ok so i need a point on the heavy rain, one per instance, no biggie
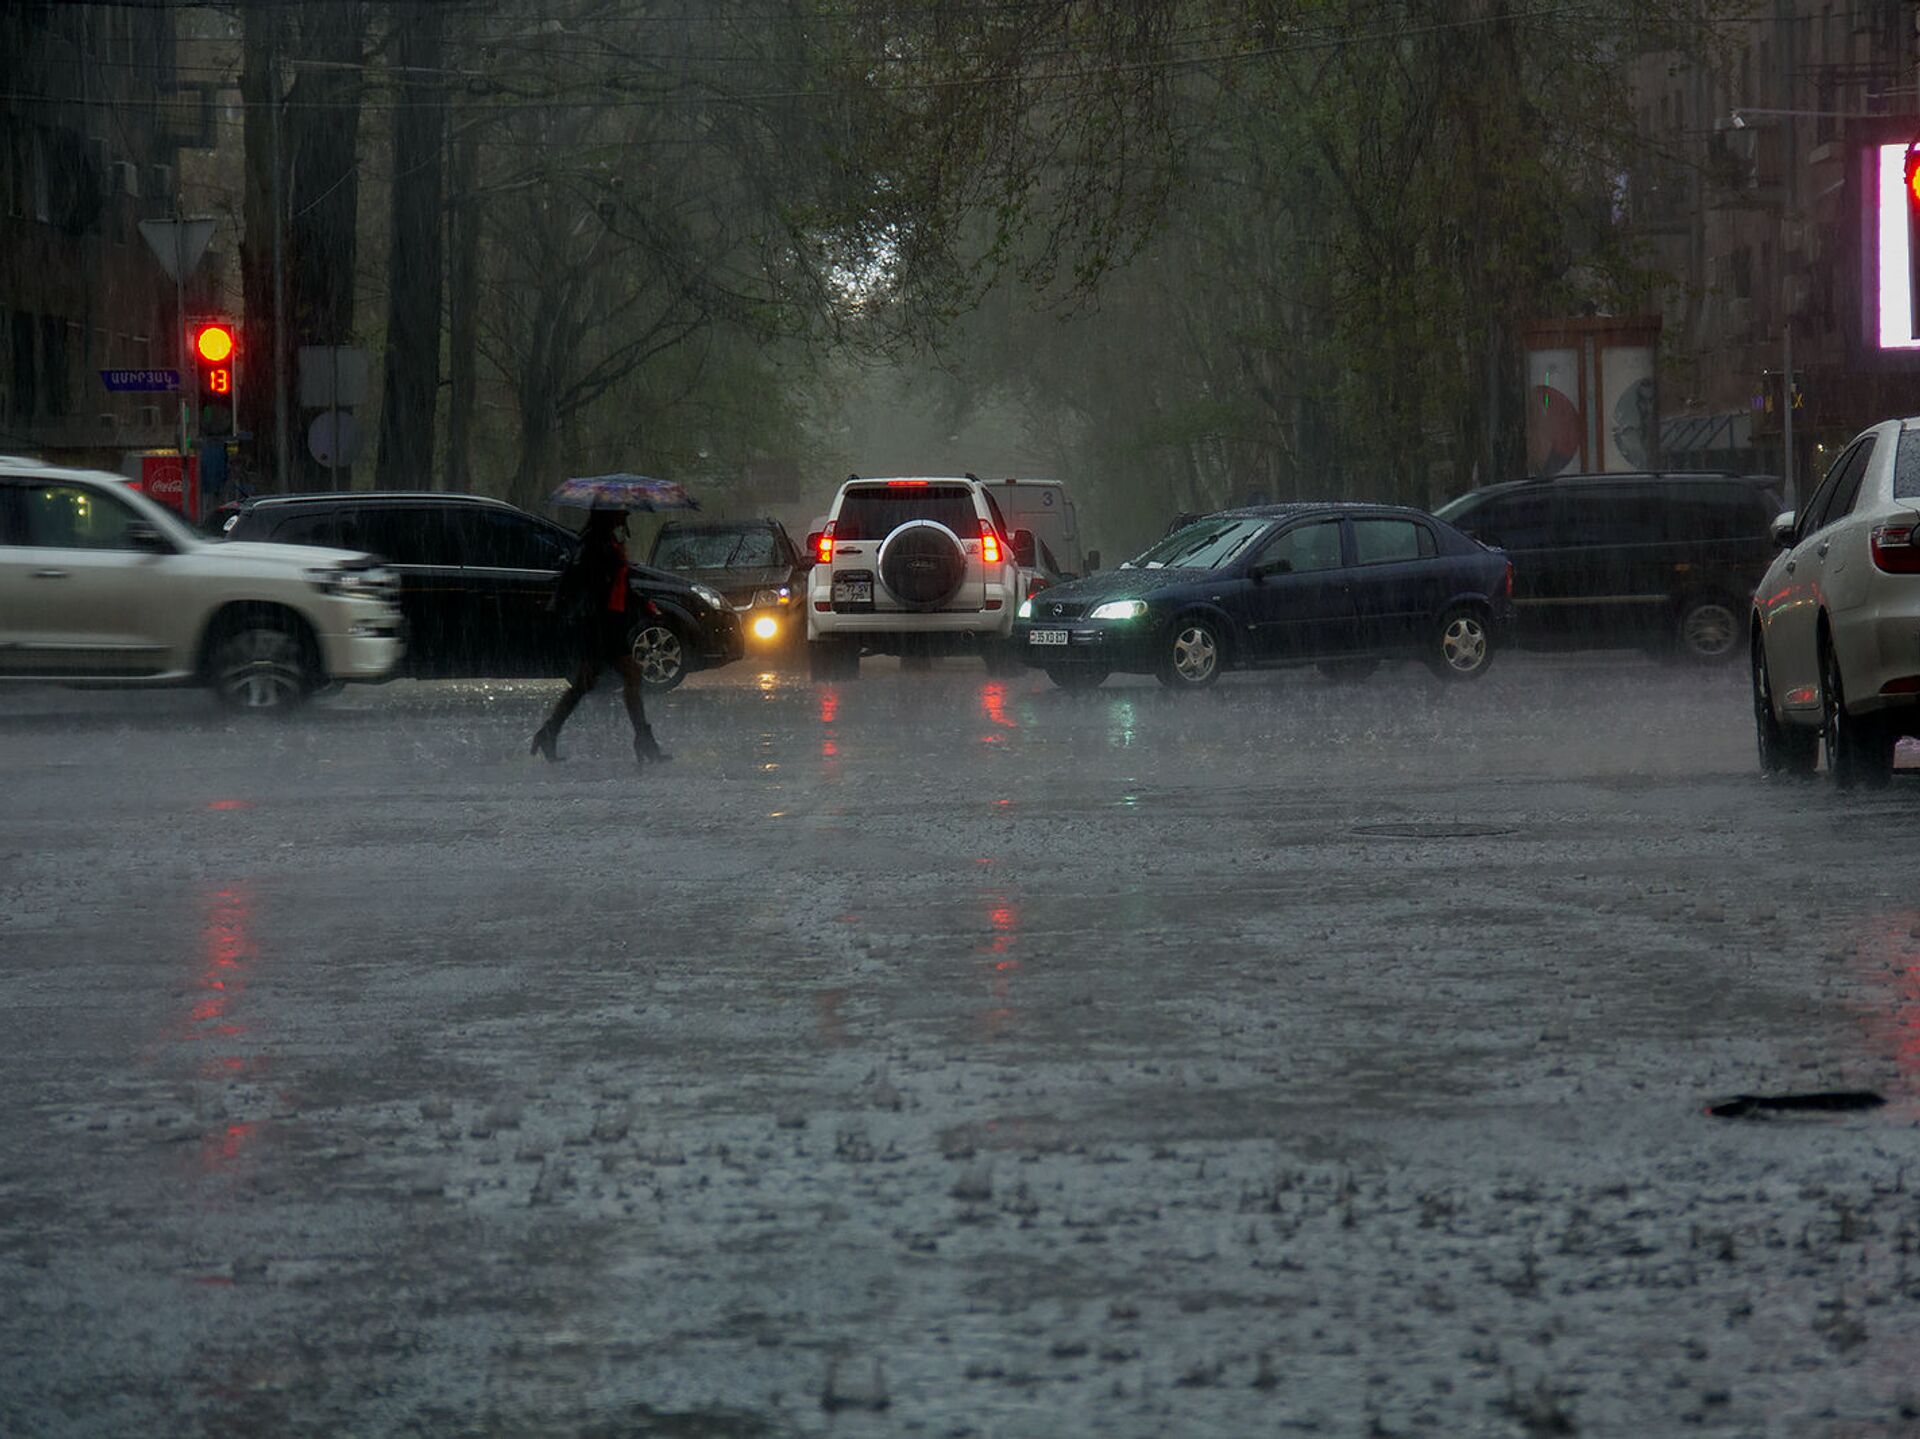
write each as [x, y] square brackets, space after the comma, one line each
[849, 718]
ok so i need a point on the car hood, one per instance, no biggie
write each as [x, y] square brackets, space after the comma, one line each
[301, 557]
[752, 577]
[1124, 585]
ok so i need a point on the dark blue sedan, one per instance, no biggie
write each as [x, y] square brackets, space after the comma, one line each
[1339, 585]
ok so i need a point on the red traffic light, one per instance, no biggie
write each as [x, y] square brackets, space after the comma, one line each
[213, 342]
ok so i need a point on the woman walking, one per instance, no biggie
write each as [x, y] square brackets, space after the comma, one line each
[593, 605]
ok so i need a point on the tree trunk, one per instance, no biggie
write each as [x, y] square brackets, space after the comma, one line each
[260, 89]
[323, 133]
[463, 306]
[412, 370]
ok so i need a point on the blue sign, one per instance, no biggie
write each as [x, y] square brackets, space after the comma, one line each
[140, 379]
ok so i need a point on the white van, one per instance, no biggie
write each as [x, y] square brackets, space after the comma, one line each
[1046, 508]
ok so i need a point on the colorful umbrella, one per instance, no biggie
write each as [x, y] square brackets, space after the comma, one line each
[623, 492]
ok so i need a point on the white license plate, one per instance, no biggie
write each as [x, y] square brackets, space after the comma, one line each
[1047, 637]
[853, 592]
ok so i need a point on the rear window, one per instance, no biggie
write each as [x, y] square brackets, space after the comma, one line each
[1732, 511]
[321, 528]
[1609, 515]
[1906, 466]
[1386, 542]
[872, 512]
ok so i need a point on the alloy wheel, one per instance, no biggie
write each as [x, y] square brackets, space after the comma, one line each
[1463, 644]
[1708, 631]
[261, 668]
[660, 655]
[1196, 655]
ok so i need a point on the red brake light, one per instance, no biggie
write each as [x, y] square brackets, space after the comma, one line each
[824, 555]
[989, 544]
[1509, 579]
[1896, 549]
[902, 484]
[1035, 584]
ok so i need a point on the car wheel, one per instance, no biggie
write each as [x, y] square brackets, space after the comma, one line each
[263, 665]
[660, 653]
[1708, 631]
[1348, 671]
[1784, 748]
[1193, 654]
[1077, 677]
[1462, 646]
[1859, 751]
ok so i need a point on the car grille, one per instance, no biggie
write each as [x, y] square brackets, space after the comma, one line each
[1046, 609]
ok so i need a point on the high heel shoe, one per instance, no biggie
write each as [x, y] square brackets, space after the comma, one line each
[543, 745]
[646, 749]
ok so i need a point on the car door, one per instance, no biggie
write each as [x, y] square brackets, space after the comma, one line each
[81, 597]
[420, 547]
[1791, 612]
[1609, 538]
[512, 562]
[1398, 587]
[1521, 523]
[1296, 601]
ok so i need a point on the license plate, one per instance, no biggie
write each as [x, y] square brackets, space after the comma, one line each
[1047, 637]
[853, 592]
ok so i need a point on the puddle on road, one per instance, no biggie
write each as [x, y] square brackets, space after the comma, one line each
[1825, 1101]
[1445, 830]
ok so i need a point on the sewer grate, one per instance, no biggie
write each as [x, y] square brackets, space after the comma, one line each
[1403, 830]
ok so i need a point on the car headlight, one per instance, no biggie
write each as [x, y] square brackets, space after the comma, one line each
[711, 597]
[1119, 610]
[770, 599]
[1025, 611]
[346, 584]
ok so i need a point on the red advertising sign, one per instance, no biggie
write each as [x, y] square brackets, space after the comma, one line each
[173, 480]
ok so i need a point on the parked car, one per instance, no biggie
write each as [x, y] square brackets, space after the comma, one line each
[475, 578]
[1834, 628]
[1343, 586]
[914, 567]
[98, 583]
[1662, 560]
[754, 564]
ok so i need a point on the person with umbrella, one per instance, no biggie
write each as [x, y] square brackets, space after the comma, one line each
[594, 604]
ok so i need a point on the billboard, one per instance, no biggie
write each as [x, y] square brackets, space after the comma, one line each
[1592, 394]
[1888, 261]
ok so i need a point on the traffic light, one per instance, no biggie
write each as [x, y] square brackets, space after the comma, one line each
[215, 345]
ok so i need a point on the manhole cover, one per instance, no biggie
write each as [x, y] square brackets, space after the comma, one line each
[1430, 831]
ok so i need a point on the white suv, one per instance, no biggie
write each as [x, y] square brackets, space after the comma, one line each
[1835, 630]
[100, 584]
[914, 567]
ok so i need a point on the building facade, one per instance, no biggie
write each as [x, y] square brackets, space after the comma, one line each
[1748, 194]
[93, 117]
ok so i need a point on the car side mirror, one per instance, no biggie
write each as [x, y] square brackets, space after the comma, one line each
[142, 535]
[1093, 561]
[810, 556]
[1783, 528]
[1023, 549]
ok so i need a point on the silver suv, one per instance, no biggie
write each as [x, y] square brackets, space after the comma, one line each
[914, 567]
[99, 583]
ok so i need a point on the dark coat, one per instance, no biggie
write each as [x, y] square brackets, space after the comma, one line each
[582, 601]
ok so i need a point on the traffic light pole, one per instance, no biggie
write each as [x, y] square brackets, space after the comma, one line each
[184, 440]
[1786, 416]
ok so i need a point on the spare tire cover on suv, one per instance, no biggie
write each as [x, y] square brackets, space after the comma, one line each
[922, 564]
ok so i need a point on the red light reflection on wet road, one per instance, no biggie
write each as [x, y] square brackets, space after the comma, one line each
[1003, 924]
[993, 704]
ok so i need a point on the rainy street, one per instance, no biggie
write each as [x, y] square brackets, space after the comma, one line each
[934, 1054]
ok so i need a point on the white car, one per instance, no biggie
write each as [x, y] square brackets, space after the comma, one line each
[101, 585]
[1835, 630]
[914, 567]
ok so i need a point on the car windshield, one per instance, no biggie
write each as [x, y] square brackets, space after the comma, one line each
[1207, 545]
[716, 550]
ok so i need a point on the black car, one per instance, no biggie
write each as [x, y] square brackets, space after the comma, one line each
[753, 563]
[1666, 561]
[475, 578]
[1339, 585]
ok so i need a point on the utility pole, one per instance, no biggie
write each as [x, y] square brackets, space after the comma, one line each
[279, 281]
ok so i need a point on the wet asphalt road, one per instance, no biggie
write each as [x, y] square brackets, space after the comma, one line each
[939, 1055]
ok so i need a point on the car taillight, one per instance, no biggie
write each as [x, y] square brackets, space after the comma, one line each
[1896, 549]
[1036, 584]
[1508, 583]
[989, 544]
[824, 555]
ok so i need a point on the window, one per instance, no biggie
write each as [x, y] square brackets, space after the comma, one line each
[1847, 493]
[1387, 542]
[1609, 515]
[1816, 505]
[53, 352]
[1837, 492]
[872, 512]
[501, 540]
[1304, 549]
[26, 393]
[401, 534]
[1906, 467]
[717, 550]
[314, 528]
[1729, 511]
[75, 517]
[1513, 521]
